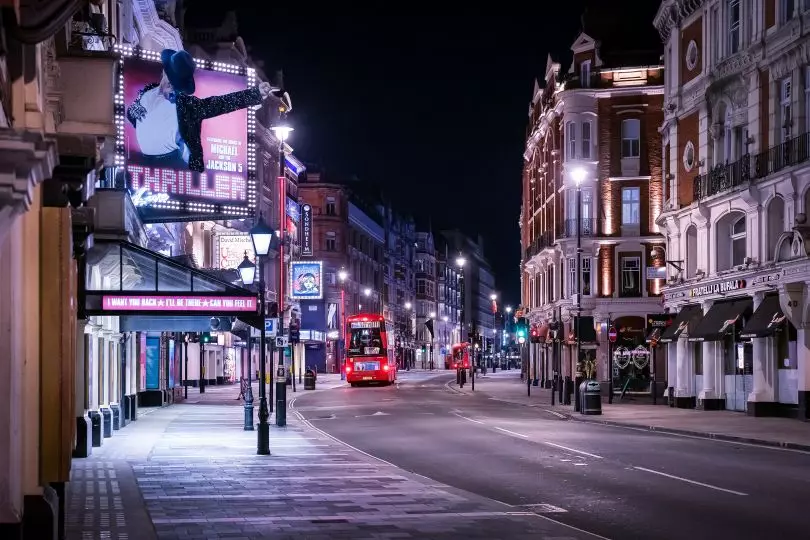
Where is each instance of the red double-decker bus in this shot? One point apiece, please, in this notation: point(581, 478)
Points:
point(461, 356)
point(369, 350)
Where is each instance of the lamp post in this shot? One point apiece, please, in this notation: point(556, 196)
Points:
point(282, 131)
point(508, 310)
point(494, 298)
point(578, 175)
point(262, 236)
point(342, 276)
point(247, 271)
point(460, 262)
point(406, 335)
point(446, 337)
point(431, 362)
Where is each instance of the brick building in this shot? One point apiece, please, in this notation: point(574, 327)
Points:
point(736, 147)
point(595, 119)
point(345, 237)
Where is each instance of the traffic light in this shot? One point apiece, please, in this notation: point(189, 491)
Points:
point(521, 330)
point(535, 335)
point(205, 337)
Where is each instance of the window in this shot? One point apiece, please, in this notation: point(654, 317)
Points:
point(785, 96)
point(572, 276)
point(714, 54)
point(691, 55)
point(807, 96)
point(631, 133)
point(571, 130)
point(727, 138)
point(733, 10)
point(631, 276)
point(330, 206)
point(585, 74)
point(738, 252)
point(631, 203)
point(786, 9)
point(586, 276)
point(331, 241)
point(586, 140)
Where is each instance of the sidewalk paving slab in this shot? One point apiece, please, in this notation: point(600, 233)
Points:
point(720, 425)
point(190, 471)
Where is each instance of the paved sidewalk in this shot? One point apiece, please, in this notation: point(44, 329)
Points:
point(190, 471)
point(721, 425)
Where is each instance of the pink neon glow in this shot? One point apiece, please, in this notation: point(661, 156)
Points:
point(178, 303)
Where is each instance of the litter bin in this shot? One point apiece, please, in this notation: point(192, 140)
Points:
point(281, 403)
point(309, 380)
point(590, 398)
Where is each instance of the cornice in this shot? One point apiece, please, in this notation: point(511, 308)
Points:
point(672, 13)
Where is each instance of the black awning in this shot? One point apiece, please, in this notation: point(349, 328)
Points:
point(767, 319)
point(585, 329)
point(721, 319)
point(687, 319)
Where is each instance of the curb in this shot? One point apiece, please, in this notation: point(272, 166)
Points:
point(693, 433)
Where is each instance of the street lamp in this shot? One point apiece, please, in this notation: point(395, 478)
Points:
point(343, 275)
point(460, 262)
point(407, 305)
point(247, 272)
point(262, 236)
point(578, 175)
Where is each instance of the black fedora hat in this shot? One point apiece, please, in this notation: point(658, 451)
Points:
point(179, 67)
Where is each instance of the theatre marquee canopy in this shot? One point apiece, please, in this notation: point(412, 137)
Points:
point(124, 279)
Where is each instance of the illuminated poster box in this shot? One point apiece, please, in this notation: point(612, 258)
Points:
point(150, 152)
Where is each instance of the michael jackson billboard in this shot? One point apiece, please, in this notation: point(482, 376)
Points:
point(185, 135)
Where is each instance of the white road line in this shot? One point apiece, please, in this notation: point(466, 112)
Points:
point(694, 482)
point(515, 433)
point(555, 413)
point(574, 450)
point(537, 507)
point(469, 419)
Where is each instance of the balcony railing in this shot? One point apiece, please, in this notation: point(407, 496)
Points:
point(587, 227)
point(751, 168)
point(541, 242)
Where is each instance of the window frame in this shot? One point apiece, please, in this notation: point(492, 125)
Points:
point(631, 203)
point(785, 107)
point(330, 243)
point(736, 239)
point(571, 139)
point(633, 151)
point(572, 276)
point(586, 267)
point(587, 143)
point(625, 269)
point(331, 206)
point(734, 26)
point(585, 74)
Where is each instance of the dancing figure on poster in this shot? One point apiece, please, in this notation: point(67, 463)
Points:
point(168, 118)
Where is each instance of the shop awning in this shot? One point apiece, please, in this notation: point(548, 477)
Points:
point(122, 278)
point(688, 318)
point(766, 320)
point(720, 319)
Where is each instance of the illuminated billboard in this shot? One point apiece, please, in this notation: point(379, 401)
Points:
point(306, 280)
point(231, 250)
point(166, 177)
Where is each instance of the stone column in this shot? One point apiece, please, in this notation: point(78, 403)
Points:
point(672, 367)
point(710, 397)
point(84, 439)
point(803, 352)
point(684, 395)
point(761, 400)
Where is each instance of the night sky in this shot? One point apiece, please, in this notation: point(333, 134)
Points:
point(433, 109)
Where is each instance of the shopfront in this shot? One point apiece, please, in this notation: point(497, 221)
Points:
point(631, 356)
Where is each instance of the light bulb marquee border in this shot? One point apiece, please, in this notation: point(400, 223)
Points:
point(181, 210)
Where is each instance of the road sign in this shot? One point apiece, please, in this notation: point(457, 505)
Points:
point(271, 326)
point(612, 334)
point(281, 341)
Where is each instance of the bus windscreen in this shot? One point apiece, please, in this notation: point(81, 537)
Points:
point(365, 339)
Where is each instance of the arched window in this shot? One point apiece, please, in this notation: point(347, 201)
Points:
point(691, 251)
point(776, 225)
point(738, 252)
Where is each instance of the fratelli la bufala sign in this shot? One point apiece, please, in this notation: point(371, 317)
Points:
point(719, 287)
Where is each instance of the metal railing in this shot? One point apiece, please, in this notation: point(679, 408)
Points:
point(587, 227)
point(751, 168)
point(541, 242)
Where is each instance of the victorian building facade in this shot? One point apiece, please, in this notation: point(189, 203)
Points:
point(593, 175)
point(735, 141)
point(425, 308)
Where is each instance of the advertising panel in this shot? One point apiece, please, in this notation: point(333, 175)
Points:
point(111, 302)
point(172, 362)
point(231, 250)
point(152, 363)
point(142, 362)
point(293, 210)
point(306, 231)
point(168, 181)
point(306, 280)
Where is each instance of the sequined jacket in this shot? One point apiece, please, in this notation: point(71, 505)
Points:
point(191, 111)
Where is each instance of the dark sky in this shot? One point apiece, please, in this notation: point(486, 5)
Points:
point(432, 108)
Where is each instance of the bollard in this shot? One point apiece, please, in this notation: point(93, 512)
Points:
point(281, 403)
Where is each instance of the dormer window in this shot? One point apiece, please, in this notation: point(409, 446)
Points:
point(585, 74)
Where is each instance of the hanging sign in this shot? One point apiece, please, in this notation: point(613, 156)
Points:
point(306, 231)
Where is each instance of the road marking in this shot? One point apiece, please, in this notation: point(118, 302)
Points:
point(468, 419)
point(555, 413)
point(543, 508)
point(574, 450)
point(512, 432)
point(580, 464)
point(688, 481)
point(378, 413)
point(348, 517)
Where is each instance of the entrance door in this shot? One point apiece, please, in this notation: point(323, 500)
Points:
point(739, 379)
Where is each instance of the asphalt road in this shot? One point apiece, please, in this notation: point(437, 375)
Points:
point(614, 482)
